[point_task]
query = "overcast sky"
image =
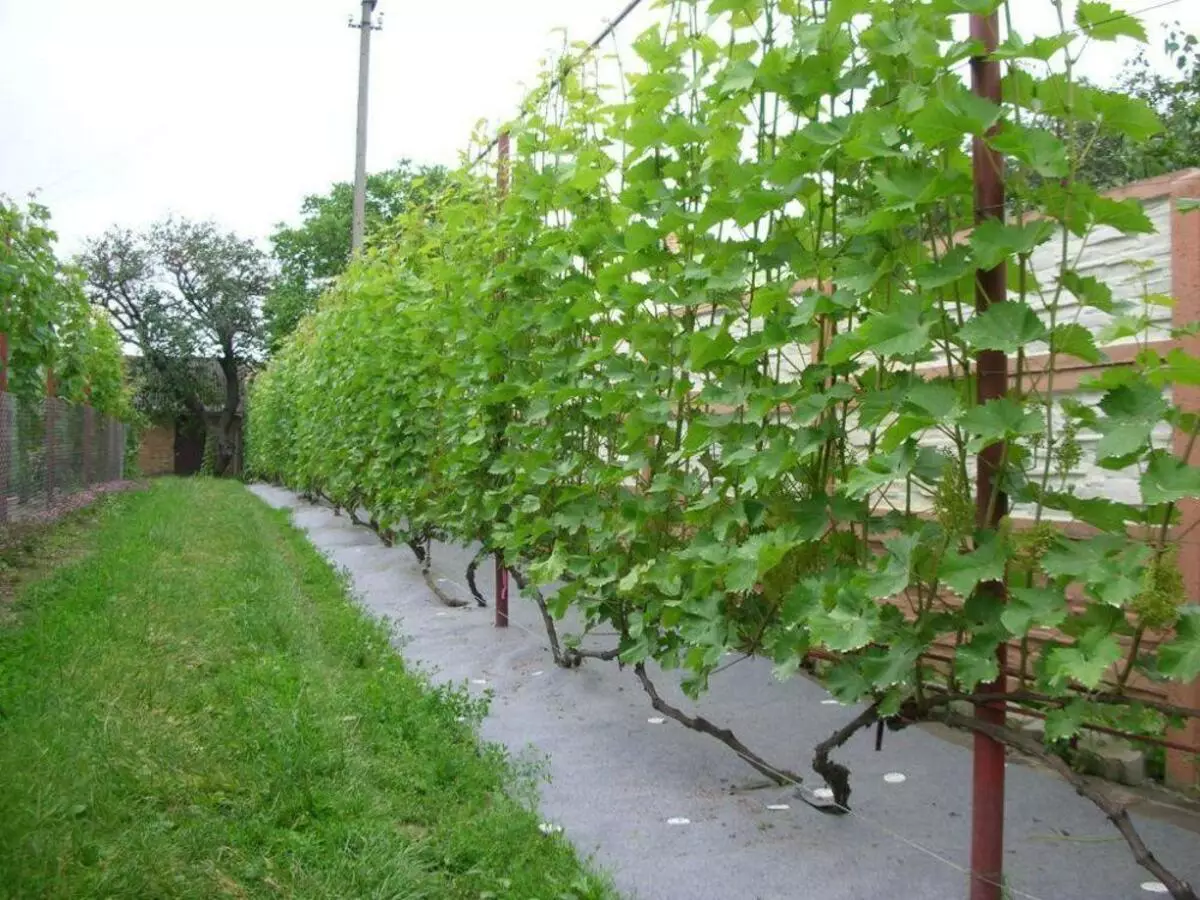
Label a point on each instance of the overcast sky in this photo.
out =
(123, 111)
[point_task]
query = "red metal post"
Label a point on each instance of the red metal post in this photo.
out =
(501, 592)
(987, 794)
(501, 569)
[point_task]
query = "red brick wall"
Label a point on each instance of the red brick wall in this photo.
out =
(156, 454)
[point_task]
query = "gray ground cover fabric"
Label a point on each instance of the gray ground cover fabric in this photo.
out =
(617, 780)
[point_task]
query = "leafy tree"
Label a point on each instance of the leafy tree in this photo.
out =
(185, 293)
(313, 253)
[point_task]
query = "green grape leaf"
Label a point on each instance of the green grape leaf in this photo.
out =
(1179, 658)
(1126, 115)
(1000, 419)
(1029, 607)
(1127, 216)
(1089, 291)
(1041, 48)
(1075, 340)
(1168, 479)
(962, 572)
(993, 242)
(900, 332)
(889, 666)
(951, 113)
(1123, 438)
(1066, 721)
(1042, 151)
(843, 629)
(975, 662)
(1100, 21)
(1086, 661)
(709, 346)
(1005, 326)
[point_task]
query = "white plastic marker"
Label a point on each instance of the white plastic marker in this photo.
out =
(656, 720)
(895, 778)
(550, 828)
(777, 806)
(679, 820)
(478, 681)
(1154, 887)
(538, 672)
(831, 702)
(823, 793)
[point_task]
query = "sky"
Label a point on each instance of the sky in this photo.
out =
(124, 111)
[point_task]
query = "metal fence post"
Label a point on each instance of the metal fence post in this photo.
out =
(987, 795)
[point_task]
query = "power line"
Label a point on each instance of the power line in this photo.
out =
(565, 70)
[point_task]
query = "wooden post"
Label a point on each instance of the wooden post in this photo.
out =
(1182, 769)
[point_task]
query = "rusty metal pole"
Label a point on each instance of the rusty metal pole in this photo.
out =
(987, 795)
(501, 569)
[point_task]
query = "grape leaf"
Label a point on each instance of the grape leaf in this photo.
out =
(1005, 326)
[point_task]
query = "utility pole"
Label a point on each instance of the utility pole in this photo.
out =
(365, 26)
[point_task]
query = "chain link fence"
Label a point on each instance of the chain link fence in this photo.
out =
(51, 452)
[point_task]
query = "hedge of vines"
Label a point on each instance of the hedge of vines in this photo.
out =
(709, 364)
(50, 326)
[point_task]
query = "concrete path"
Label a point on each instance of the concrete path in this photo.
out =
(619, 780)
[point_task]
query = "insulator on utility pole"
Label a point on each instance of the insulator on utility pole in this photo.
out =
(365, 25)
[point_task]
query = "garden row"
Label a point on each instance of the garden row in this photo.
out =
(707, 359)
(53, 338)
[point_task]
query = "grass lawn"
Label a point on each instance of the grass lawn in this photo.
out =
(190, 707)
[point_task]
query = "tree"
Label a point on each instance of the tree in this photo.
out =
(184, 293)
(1109, 158)
(313, 253)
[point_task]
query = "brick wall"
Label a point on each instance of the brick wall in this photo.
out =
(156, 454)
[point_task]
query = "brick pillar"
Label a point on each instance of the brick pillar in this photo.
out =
(1182, 769)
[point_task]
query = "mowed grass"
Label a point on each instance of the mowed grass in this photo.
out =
(193, 708)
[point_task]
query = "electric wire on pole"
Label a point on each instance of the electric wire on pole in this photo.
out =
(365, 25)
